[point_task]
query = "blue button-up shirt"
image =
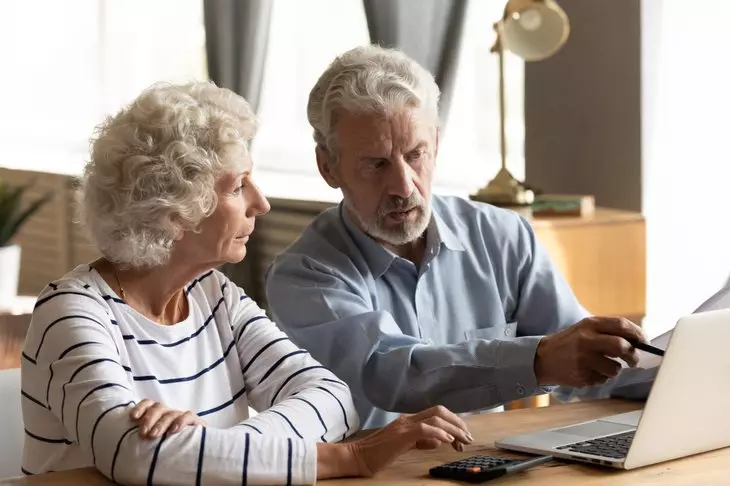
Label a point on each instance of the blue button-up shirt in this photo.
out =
(461, 330)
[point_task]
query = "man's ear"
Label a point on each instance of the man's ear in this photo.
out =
(325, 166)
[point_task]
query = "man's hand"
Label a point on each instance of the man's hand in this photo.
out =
(581, 354)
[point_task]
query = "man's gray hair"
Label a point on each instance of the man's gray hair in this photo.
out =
(154, 166)
(368, 79)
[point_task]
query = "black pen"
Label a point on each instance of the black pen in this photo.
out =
(646, 347)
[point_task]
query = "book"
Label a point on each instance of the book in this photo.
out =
(563, 205)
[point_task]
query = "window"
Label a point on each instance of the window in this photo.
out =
(470, 153)
(304, 39)
(67, 64)
(685, 167)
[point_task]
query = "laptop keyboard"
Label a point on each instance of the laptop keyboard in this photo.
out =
(613, 446)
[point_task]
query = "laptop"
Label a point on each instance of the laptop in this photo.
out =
(687, 412)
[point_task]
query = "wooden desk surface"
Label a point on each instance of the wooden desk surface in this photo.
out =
(412, 468)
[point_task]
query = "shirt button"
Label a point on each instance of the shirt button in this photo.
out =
(506, 332)
(520, 389)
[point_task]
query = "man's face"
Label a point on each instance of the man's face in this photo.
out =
(385, 167)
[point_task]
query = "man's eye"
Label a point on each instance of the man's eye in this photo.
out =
(378, 164)
(416, 155)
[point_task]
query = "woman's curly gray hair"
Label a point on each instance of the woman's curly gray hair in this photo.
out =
(154, 166)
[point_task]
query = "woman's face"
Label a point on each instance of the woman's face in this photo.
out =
(223, 235)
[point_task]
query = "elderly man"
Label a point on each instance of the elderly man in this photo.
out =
(415, 299)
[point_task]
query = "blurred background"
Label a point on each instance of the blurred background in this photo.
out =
(632, 111)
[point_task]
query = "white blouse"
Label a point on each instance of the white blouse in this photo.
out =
(89, 357)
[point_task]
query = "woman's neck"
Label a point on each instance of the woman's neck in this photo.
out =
(157, 293)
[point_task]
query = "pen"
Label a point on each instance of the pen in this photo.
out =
(647, 347)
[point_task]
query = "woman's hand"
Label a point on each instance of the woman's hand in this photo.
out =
(424, 430)
(155, 419)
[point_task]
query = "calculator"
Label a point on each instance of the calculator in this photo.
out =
(478, 469)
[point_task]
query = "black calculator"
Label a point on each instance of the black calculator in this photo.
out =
(478, 469)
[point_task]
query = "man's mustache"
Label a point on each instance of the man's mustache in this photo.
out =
(397, 203)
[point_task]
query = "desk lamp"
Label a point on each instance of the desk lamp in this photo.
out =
(533, 30)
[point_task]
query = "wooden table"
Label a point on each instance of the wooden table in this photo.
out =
(412, 469)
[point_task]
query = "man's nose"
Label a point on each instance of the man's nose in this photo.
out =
(401, 179)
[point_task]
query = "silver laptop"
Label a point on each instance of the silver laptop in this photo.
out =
(687, 412)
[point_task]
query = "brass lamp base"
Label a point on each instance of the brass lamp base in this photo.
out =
(507, 192)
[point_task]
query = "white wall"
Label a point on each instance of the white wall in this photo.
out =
(686, 164)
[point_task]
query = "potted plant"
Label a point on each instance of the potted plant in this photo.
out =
(14, 213)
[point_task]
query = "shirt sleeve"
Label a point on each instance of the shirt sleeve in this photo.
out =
(546, 302)
(90, 394)
(294, 394)
(547, 305)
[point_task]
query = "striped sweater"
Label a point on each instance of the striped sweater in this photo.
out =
(89, 357)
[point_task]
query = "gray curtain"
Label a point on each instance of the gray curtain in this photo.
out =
(236, 37)
(429, 31)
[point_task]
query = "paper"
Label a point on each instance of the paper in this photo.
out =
(720, 300)
(648, 360)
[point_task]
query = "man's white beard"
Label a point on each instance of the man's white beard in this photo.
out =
(401, 234)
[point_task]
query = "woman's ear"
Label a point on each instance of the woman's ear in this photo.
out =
(326, 167)
(179, 227)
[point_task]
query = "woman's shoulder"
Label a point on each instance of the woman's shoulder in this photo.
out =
(212, 288)
(81, 280)
(210, 285)
(213, 284)
(217, 290)
(75, 301)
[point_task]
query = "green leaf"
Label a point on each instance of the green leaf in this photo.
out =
(9, 204)
(12, 217)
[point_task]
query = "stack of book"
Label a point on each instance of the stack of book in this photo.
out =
(563, 205)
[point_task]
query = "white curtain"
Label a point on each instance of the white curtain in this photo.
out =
(66, 64)
(305, 39)
(686, 165)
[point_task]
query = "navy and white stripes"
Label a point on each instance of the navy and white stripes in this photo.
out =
(89, 358)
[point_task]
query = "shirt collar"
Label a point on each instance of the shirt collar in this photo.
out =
(379, 258)
(444, 234)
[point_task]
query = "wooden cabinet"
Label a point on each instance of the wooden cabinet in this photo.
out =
(603, 258)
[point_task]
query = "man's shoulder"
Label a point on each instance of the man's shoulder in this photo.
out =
(324, 243)
(465, 217)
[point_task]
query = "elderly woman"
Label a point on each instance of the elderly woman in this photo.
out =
(168, 196)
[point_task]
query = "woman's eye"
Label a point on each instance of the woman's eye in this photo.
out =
(239, 189)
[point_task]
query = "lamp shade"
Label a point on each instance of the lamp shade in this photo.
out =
(533, 29)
